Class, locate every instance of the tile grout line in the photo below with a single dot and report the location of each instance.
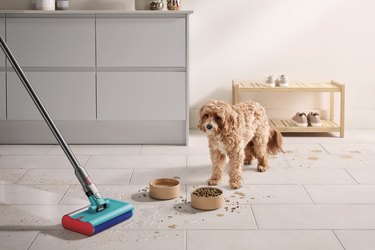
(32, 242)
(131, 176)
(304, 188)
(63, 195)
(186, 239)
(337, 237)
(325, 149)
(351, 176)
(255, 220)
(27, 170)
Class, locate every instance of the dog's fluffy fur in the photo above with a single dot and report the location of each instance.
(240, 132)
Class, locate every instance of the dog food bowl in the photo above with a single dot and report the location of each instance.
(164, 188)
(207, 198)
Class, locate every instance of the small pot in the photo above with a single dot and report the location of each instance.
(207, 203)
(164, 188)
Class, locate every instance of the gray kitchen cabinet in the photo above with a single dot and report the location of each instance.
(2, 96)
(141, 42)
(52, 42)
(105, 77)
(141, 96)
(66, 95)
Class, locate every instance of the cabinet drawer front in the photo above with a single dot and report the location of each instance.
(141, 96)
(66, 96)
(2, 32)
(2, 96)
(52, 42)
(141, 42)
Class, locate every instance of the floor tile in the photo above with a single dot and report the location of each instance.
(175, 150)
(363, 176)
(34, 217)
(11, 175)
(331, 161)
(186, 175)
(21, 161)
(349, 148)
(135, 194)
(319, 138)
(205, 161)
(16, 240)
(183, 216)
(263, 194)
(24, 149)
(67, 176)
(357, 239)
(112, 239)
(137, 161)
(262, 240)
(315, 216)
(304, 148)
(98, 149)
(31, 194)
(342, 194)
(298, 176)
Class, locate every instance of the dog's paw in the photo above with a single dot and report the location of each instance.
(247, 162)
(235, 184)
(262, 168)
(213, 182)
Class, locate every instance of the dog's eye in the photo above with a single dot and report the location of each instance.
(218, 119)
(205, 116)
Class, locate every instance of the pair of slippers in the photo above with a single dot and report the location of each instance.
(311, 120)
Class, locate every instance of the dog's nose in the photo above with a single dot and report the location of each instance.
(209, 126)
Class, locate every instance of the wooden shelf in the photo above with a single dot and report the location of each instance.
(288, 126)
(331, 87)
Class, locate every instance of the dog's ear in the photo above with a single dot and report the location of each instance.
(230, 123)
(201, 118)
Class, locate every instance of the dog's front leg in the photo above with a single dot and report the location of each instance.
(218, 163)
(236, 159)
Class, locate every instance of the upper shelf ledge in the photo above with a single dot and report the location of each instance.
(124, 13)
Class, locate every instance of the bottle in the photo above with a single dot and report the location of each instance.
(62, 4)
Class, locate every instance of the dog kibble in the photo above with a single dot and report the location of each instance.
(207, 192)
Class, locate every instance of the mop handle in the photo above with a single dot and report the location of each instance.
(80, 172)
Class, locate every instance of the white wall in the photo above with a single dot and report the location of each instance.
(309, 40)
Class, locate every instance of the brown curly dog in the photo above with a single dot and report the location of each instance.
(240, 131)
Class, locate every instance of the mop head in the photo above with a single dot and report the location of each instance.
(89, 222)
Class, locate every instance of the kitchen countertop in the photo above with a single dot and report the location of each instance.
(23, 13)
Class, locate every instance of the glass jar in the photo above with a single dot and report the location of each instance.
(62, 4)
(174, 4)
(156, 4)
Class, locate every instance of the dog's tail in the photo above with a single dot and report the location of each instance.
(275, 142)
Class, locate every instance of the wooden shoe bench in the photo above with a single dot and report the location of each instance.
(287, 125)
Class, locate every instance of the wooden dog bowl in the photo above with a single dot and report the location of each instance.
(164, 188)
(207, 198)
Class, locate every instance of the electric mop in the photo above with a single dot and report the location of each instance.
(102, 213)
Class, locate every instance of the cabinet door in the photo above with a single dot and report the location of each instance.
(141, 96)
(2, 32)
(66, 96)
(2, 96)
(141, 42)
(52, 42)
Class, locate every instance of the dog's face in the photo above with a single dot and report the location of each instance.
(216, 117)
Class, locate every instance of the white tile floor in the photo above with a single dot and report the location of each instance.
(320, 194)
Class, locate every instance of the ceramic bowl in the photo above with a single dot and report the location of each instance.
(207, 203)
(164, 188)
